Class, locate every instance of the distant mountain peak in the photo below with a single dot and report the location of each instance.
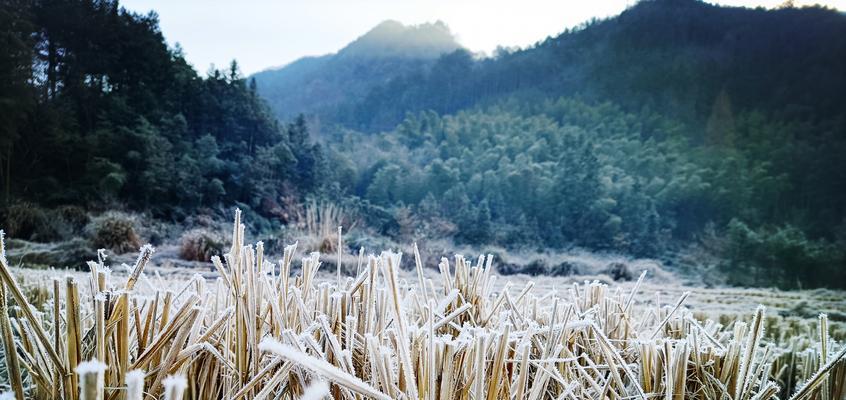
(388, 25)
(392, 38)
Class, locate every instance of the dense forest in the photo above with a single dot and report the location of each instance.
(677, 125)
(97, 109)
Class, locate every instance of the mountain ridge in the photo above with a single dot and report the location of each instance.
(391, 38)
(311, 85)
(675, 55)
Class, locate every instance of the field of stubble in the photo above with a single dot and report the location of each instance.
(281, 327)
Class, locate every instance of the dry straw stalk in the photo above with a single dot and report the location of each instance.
(263, 332)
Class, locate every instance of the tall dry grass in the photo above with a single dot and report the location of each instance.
(261, 333)
(321, 223)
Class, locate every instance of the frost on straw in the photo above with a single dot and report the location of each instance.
(276, 327)
(321, 368)
(316, 391)
(91, 379)
(174, 387)
(135, 385)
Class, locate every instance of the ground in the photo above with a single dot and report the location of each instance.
(799, 308)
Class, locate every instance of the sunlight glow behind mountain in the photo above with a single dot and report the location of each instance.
(265, 33)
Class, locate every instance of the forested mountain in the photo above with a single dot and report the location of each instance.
(673, 123)
(677, 127)
(323, 85)
(676, 56)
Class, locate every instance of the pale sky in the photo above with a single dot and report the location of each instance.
(267, 33)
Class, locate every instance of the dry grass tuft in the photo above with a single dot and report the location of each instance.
(27, 221)
(115, 232)
(261, 333)
(321, 222)
(200, 244)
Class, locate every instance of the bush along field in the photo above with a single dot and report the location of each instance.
(260, 331)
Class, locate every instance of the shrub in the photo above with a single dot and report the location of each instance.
(536, 267)
(28, 221)
(116, 232)
(74, 216)
(66, 254)
(201, 244)
(619, 271)
(65, 222)
(565, 268)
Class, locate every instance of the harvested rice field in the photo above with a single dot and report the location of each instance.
(270, 326)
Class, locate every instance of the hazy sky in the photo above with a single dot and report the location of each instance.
(267, 33)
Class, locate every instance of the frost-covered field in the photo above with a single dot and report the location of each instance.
(270, 326)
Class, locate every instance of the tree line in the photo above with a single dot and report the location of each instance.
(97, 110)
(565, 173)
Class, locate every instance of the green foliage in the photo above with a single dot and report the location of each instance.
(106, 177)
(502, 173)
(784, 256)
(570, 173)
(104, 112)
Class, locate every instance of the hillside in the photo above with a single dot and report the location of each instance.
(675, 124)
(676, 56)
(321, 85)
(710, 139)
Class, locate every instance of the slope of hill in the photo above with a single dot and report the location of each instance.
(675, 123)
(706, 136)
(321, 84)
(677, 56)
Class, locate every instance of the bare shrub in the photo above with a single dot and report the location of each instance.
(28, 221)
(200, 244)
(619, 271)
(116, 232)
(74, 216)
